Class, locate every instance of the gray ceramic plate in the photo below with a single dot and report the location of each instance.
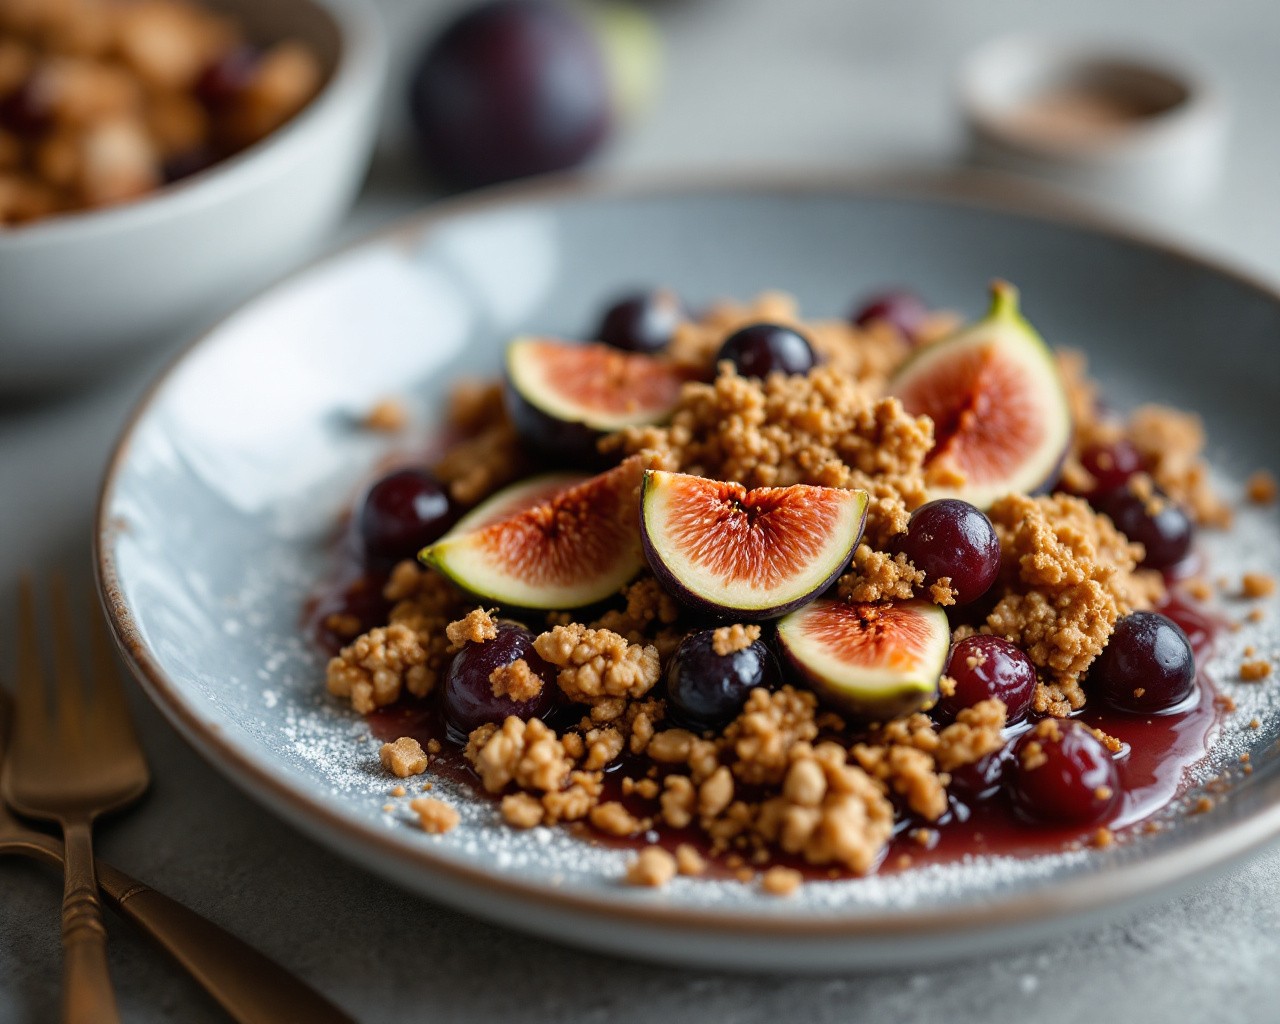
(231, 476)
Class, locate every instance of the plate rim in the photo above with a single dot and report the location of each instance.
(1124, 884)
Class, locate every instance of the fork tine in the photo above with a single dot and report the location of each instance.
(68, 683)
(32, 697)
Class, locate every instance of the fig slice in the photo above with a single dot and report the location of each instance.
(997, 401)
(750, 554)
(551, 542)
(564, 396)
(876, 661)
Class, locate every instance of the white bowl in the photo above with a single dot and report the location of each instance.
(77, 290)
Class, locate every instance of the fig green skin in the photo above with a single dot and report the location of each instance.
(557, 442)
(898, 705)
(672, 585)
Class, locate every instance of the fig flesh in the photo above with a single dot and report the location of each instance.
(752, 555)
(997, 401)
(875, 661)
(564, 396)
(553, 542)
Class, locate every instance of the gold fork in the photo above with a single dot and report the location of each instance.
(250, 986)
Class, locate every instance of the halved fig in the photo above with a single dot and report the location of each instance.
(876, 661)
(750, 554)
(564, 396)
(550, 542)
(998, 405)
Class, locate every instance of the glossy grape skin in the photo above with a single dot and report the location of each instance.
(468, 700)
(1147, 667)
(509, 89)
(1111, 465)
(951, 538)
(706, 690)
(1000, 669)
(1158, 524)
(1077, 783)
(898, 307)
(981, 779)
(758, 350)
(642, 321)
(403, 513)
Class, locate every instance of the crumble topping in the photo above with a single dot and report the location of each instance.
(1171, 442)
(1254, 671)
(730, 639)
(1261, 488)
(653, 867)
(516, 681)
(476, 467)
(598, 667)
(475, 627)
(763, 734)
(529, 754)
(403, 758)
(374, 669)
(781, 881)
(388, 416)
(1257, 584)
(879, 576)
(689, 861)
(435, 816)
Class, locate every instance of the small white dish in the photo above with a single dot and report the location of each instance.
(1131, 128)
(81, 288)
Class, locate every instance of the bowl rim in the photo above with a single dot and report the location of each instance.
(1123, 884)
(361, 62)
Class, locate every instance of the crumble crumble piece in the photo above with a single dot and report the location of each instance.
(818, 428)
(646, 604)
(343, 624)
(475, 627)
(1254, 671)
(425, 602)
(976, 732)
(475, 403)
(1102, 838)
(403, 758)
(652, 867)
(1199, 588)
(879, 576)
(1171, 443)
(613, 819)
(474, 468)
(528, 753)
(601, 747)
(398, 791)
(435, 816)
(388, 416)
(516, 681)
(598, 667)
(766, 729)
(781, 881)
(521, 810)
(1068, 575)
(730, 639)
(689, 861)
(1257, 584)
(374, 668)
(1261, 488)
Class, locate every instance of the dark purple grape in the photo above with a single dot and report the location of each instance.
(950, 538)
(1062, 774)
(989, 666)
(1111, 465)
(706, 690)
(188, 162)
(642, 322)
(511, 88)
(26, 111)
(1147, 667)
(761, 349)
(468, 699)
(403, 513)
(981, 779)
(1155, 522)
(902, 309)
(225, 80)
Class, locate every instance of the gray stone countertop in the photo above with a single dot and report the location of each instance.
(816, 84)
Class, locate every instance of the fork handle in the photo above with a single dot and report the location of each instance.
(250, 986)
(87, 994)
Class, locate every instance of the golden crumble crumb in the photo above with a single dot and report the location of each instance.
(1255, 723)
(1202, 805)
(652, 867)
(766, 729)
(879, 576)
(941, 592)
(689, 861)
(476, 467)
(947, 685)
(1249, 651)
(388, 807)
(1261, 488)
(1254, 671)
(1102, 838)
(377, 666)
(404, 757)
(614, 819)
(521, 810)
(476, 627)
(1171, 443)
(343, 624)
(730, 639)
(1199, 588)
(398, 791)
(1255, 615)
(388, 416)
(528, 753)
(516, 681)
(433, 746)
(435, 816)
(599, 667)
(781, 881)
(475, 403)
(1257, 584)
(1032, 756)
(976, 732)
